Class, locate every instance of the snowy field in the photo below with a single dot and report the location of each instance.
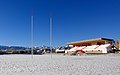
(59, 65)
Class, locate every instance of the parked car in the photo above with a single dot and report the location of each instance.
(60, 50)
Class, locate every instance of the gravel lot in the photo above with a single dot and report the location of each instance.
(59, 65)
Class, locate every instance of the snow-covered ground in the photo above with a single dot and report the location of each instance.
(59, 65)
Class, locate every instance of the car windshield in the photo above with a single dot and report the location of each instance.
(61, 48)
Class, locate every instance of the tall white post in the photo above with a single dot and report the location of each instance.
(32, 35)
(51, 35)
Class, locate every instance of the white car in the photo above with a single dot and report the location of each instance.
(60, 50)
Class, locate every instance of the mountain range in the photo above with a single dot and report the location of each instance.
(15, 47)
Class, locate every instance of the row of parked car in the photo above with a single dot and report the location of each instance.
(38, 51)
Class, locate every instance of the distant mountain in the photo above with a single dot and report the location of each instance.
(15, 47)
(4, 47)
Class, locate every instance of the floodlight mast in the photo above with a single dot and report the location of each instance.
(32, 26)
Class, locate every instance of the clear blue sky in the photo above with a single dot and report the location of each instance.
(73, 20)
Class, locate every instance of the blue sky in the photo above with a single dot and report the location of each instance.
(73, 20)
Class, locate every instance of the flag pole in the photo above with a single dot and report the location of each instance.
(32, 35)
(51, 35)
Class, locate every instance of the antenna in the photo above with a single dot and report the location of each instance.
(32, 35)
(51, 35)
